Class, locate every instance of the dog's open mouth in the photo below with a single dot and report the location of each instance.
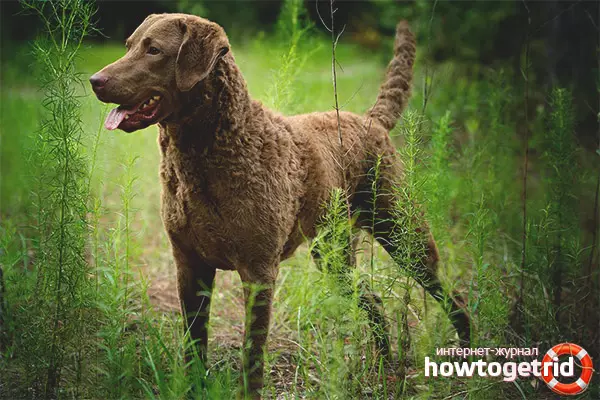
(131, 118)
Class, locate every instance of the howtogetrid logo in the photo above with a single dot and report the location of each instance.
(550, 374)
(550, 369)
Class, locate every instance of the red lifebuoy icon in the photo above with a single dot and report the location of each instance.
(586, 369)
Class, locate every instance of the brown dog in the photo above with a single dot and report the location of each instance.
(244, 186)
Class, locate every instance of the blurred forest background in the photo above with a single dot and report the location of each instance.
(563, 34)
(501, 146)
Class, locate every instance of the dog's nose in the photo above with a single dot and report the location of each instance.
(98, 81)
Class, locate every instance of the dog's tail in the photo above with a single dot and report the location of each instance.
(396, 89)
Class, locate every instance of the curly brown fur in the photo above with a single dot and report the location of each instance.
(243, 186)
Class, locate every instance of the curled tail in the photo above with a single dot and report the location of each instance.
(395, 91)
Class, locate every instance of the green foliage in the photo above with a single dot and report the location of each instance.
(239, 17)
(560, 157)
(60, 296)
(333, 242)
(408, 218)
(450, 28)
(438, 180)
(556, 254)
(409, 236)
(290, 31)
(344, 338)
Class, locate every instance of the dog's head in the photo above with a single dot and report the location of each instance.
(167, 55)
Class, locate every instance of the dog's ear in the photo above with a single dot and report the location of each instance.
(204, 43)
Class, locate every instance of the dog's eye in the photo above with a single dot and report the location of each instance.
(153, 50)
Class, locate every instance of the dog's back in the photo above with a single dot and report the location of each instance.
(343, 157)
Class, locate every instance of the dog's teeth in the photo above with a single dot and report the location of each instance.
(127, 117)
(151, 101)
(156, 97)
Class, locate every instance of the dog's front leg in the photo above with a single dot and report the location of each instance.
(258, 292)
(195, 279)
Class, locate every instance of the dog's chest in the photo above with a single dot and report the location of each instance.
(189, 209)
(210, 209)
(239, 203)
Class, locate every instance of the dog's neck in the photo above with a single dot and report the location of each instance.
(214, 111)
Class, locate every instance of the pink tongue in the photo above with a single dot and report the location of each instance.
(114, 118)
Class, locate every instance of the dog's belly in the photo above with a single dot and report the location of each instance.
(306, 222)
(294, 241)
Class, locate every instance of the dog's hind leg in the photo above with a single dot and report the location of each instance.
(424, 269)
(373, 305)
(368, 300)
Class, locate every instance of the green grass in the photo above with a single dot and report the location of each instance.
(466, 174)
